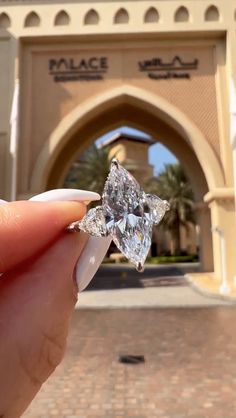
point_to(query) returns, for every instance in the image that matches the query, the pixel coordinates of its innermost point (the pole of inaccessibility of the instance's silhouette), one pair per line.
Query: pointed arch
(32, 20)
(5, 21)
(151, 15)
(90, 113)
(62, 18)
(91, 17)
(121, 16)
(181, 14)
(212, 14)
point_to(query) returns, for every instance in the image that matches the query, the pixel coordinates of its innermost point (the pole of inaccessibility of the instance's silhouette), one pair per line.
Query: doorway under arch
(144, 111)
(127, 105)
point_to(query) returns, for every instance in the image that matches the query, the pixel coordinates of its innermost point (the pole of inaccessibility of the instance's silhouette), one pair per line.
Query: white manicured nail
(66, 194)
(95, 249)
(2, 202)
(90, 260)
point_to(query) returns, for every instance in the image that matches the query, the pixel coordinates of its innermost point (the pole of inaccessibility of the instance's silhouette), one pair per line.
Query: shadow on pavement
(124, 276)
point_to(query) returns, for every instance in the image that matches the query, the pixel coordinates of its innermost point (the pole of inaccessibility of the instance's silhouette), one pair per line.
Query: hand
(37, 295)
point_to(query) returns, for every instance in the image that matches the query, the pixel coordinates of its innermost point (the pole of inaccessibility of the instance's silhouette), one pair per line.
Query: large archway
(146, 112)
(142, 110)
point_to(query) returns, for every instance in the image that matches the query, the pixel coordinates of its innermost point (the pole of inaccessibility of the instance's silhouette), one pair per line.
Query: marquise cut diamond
(127, 214)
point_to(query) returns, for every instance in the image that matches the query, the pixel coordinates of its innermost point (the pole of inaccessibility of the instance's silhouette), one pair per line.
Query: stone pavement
(121, 286)
(190, 368)
(159, 297)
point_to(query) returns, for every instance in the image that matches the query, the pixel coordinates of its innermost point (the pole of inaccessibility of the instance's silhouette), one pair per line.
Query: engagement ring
(127, 214)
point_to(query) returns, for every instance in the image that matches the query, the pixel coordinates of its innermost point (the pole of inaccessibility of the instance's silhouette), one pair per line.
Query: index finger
(27, 227)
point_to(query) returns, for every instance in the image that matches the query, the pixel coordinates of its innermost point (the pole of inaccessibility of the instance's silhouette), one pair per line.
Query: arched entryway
(147, 112)
(135, 107)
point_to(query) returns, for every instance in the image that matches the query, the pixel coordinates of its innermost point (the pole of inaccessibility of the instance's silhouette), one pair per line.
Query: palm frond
(91, 171)
(172, 185)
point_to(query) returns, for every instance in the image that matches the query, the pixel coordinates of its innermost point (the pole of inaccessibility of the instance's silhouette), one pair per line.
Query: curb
(208, 293)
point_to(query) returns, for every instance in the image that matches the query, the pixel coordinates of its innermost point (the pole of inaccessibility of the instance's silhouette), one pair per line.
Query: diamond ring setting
(127, 214)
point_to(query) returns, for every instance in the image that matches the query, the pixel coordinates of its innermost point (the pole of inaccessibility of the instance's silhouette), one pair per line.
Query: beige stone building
(84, 68)
(133, 152)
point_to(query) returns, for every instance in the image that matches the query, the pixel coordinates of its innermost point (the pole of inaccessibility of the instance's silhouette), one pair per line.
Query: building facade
(132, 151)
(80, 69)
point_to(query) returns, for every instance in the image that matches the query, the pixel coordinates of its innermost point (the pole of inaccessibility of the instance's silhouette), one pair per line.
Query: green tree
(172, 185)
(91, 171)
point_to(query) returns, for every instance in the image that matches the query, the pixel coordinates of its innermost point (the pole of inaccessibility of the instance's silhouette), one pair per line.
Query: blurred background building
(72, 72)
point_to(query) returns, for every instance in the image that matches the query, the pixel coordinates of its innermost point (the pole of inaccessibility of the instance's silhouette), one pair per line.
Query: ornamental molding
(220, 195)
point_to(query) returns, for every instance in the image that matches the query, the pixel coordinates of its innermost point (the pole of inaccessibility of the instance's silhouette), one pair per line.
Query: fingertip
(28, 227)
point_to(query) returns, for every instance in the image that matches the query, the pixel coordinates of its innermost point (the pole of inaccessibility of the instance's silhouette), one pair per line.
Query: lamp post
(224, 287)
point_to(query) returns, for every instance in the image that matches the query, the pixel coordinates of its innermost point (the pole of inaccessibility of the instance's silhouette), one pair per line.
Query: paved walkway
(159, 297)
(189, 349)
(190, 368)
(121, 286)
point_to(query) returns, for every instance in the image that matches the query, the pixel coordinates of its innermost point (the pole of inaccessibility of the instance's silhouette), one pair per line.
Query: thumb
(36, 302)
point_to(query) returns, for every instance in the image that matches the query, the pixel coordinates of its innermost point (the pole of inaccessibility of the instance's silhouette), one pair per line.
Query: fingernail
(90, 260)
(95, 249)
(66, 194)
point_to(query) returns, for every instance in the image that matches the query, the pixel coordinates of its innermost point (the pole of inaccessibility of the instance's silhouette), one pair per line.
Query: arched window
(32, 20)
(151, 15)
(212, 14)
(5, 21)
(181, 14)
(121, 16)
(91, 17)
(62, 18)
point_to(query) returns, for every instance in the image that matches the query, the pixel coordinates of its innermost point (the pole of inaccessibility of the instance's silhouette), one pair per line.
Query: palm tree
(91, 171)
(172, 185)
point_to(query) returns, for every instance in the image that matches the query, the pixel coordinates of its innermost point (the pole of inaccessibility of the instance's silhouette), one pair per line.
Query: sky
(158, 154)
